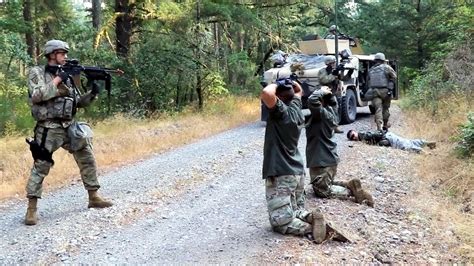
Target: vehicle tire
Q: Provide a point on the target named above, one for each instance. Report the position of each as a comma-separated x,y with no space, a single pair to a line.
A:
348,107
372,109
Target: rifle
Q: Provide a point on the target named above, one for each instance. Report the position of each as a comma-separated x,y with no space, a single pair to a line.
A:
93,73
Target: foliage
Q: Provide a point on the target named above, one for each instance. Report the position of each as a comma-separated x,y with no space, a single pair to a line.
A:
14,111
178,55
465,147
450,75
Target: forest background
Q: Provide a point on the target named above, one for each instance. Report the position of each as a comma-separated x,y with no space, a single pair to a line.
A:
207,57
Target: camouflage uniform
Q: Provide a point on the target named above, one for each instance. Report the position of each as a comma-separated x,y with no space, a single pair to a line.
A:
54,108
283,169
321,154
380,76
393,140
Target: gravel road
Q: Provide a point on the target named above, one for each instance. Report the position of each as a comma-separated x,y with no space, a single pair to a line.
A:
204,203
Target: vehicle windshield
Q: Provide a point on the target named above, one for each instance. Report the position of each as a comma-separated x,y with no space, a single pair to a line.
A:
309,61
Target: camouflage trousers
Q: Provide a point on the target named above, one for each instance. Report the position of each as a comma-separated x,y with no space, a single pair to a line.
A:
285,202
381,103
324,186
56,138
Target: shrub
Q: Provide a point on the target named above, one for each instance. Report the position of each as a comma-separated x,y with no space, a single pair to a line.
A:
465,138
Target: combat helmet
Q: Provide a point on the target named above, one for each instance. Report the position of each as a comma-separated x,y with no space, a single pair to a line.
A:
53,45
379,56
329,59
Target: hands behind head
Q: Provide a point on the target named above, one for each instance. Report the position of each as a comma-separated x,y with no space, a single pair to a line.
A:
325,90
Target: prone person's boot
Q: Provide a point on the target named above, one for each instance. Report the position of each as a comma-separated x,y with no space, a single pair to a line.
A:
360,195
31,218
431,144
95,201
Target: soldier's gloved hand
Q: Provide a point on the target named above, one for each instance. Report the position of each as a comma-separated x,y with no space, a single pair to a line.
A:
335,72
340,67
287,83
293,76
95,90
63,76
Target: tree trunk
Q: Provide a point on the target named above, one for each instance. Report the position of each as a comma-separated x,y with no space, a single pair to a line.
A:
198,57
96,13
123,27
419,41
29,35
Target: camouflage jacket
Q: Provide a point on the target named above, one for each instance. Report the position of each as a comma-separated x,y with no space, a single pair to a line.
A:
48,108
375,137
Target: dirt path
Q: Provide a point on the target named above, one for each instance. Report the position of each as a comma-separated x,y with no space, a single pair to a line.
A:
204,203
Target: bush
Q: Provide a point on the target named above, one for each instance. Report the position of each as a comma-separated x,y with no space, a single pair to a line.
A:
465,138
14,110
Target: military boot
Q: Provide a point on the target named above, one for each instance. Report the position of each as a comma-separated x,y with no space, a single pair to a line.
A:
431,144
95,201
31,218
338,130
319,227
386,125
361,196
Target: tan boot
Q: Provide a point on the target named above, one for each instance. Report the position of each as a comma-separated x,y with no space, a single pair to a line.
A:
95,201
361,196
319,227
31,218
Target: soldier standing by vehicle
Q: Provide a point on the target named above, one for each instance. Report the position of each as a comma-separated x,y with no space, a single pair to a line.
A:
283,167
54,99
330,76
382,77
321,153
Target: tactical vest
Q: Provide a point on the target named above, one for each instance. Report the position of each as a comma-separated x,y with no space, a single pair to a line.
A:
377,77
61,108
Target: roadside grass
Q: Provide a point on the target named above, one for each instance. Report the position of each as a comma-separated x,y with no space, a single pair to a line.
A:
121,140
451,177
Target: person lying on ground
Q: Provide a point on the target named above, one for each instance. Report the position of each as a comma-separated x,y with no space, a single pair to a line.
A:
390,139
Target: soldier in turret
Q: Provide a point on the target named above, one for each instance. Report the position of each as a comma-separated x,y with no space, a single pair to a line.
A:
331,76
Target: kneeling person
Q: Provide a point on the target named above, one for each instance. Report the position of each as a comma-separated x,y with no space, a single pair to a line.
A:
283,168
321,153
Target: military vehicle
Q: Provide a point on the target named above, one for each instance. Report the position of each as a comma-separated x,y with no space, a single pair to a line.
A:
352,91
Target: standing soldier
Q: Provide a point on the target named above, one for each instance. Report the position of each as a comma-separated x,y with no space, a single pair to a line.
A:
54,99
283,168
321,151
330,76
382,78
